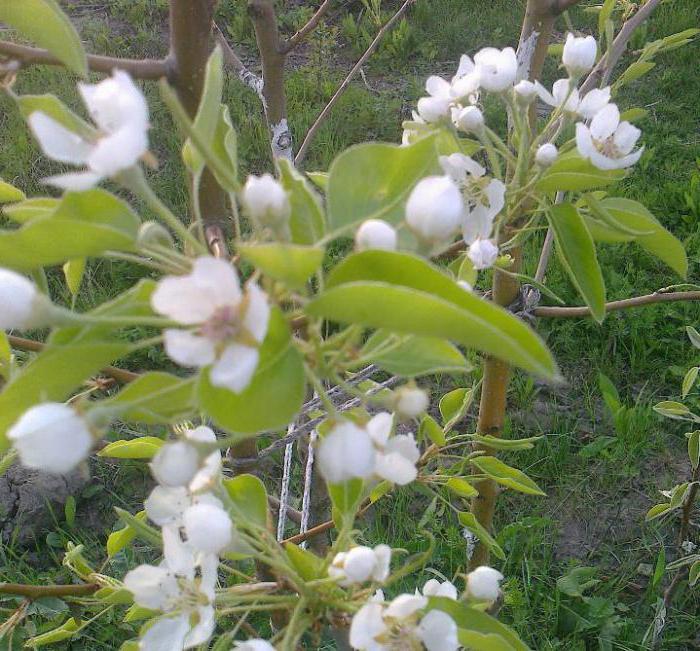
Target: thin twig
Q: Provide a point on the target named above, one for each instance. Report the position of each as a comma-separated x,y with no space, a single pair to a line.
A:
139,68
39,591
311,133
292,42
231,59
614,306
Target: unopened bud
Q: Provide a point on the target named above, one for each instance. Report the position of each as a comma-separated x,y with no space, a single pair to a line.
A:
579,54
22,305
411,402
546,154
375,234
266,201
470,119
434,209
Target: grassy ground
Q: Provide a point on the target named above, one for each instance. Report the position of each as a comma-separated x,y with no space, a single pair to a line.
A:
598,494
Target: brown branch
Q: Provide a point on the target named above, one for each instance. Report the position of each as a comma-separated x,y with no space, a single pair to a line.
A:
39,591
560,6
311,133
119,374
292,42
292,514
320,528
139,68
614,306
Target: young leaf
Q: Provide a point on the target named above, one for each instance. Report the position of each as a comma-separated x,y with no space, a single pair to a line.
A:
73,270
611,397
307,564
657,511
118,540
505,475
307,222
31,209
9,193
694,573
143,447
693,335
249,496
578,256
694,448
506,444
571,172
675,410
452,403
428,427
142,530
292,264
461,487
689,380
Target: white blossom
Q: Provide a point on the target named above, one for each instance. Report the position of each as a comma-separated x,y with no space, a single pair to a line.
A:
482,253
253,645
266,201
465,83
375,234
593,102
208,527
436,105
399,625
346,453
483,583
608,143
525,91
579,54
396,456
433,588
546,154
469,119
52,437
410,401
361,564
120,112
175,464
225,325
434,209
497,69
22,305
585,107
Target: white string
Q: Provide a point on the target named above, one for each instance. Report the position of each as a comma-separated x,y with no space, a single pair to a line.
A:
284,490
308,471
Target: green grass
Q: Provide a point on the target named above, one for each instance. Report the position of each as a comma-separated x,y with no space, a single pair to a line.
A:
593,515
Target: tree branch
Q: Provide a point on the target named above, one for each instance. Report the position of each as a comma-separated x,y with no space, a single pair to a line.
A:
39,591
231,59
311,133
139,68
614,306
560,6
292,42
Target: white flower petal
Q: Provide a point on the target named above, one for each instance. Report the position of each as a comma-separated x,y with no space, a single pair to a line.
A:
203,629
625,137
21,302
179,556
235,368
367,625
74,181
346,453
437,87
593,101
208,528
153,587
438,632
117,151
396,468
379,428
405,605
257,313
166,505
382,554
584,142
188,349
167,634
56,141
115,102
175,464
433,588
605,122
484,583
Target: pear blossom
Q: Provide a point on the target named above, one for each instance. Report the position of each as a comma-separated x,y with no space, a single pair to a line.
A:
497,69
225,326
408,133
396,456
120,113
483,253
433,588
525,91
579,54
434,209
375,234
465,83
585,107
185,596
22,305
175,464
266,201
469,119
253,645
546,154
51,436
361,564
436,105
410,401
399,625
608,143
208,527
483,583
346,453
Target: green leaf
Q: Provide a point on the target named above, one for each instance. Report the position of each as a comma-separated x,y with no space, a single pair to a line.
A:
206,121
346,496
413,356
43,23
293,264
605,13
633,115
469,521
571,172
694,448
693,335
5,356
505,475
308,565
694,573
142,530
63,632
380,490
73,270
118,540
577,581
659,242
472,619
578,256
675,410
429,427
158,398
249,498
600,212
506,444
689,380
635,71
657,511
274,395
31,208
461,487
475,641
9,193
452,403
69,510
372,181
403,293
225,147
143,447
610,394
319,179
307,222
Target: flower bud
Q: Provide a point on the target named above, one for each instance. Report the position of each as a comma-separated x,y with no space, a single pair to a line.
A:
482,253
375,234
154,234
470,119
579,54
525,91
434,209
175,464
361,564
411,402
433,109
266,201
483,583
345,453
51,436
22,305
546,154
208,528
497,69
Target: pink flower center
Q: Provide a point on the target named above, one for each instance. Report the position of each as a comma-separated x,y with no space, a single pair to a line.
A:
222,325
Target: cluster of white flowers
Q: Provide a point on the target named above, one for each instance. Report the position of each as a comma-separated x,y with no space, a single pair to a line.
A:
225,326
196,529
349,451
120,113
